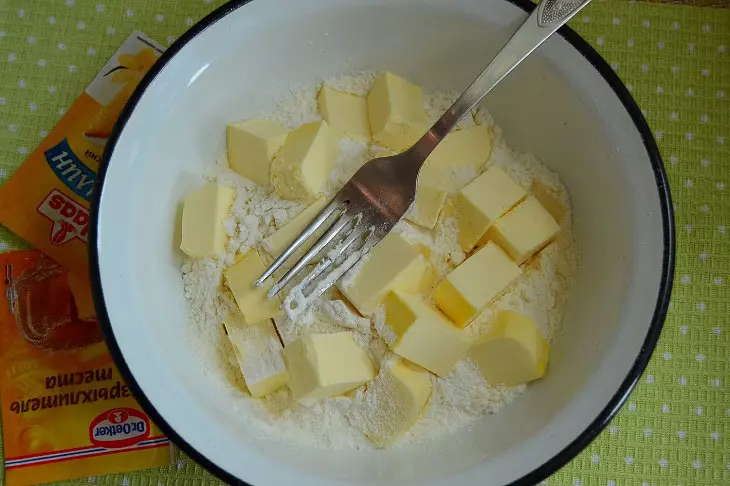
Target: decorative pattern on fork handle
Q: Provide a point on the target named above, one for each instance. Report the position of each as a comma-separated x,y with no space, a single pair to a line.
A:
550,11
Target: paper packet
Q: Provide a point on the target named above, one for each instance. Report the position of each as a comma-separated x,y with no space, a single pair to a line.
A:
47,200
66,411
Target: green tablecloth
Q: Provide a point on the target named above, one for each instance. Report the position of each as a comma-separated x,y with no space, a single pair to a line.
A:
675,428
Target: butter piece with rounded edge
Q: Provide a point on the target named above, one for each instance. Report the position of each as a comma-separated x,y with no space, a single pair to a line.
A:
392,403
203,214
326,365
430,199
523,231
455,162
303,164
423,335
460,157
259,354
393,264
252,145
252,301
512,352
345,113
396,112
475,283
482,202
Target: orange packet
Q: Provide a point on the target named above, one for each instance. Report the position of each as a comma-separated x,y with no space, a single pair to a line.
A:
47,200
66,411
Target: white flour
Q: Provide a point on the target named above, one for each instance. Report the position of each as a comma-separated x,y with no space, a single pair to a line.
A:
457,400
376,410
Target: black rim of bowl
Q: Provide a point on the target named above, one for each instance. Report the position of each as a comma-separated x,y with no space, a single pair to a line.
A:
604,417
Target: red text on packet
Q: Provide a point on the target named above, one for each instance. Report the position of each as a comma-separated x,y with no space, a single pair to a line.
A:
70,219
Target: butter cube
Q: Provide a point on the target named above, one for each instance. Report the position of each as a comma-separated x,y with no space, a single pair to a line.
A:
482,202
252,301
512,352
378,151
259,354
252,145
277,243
548,200
423,335
83,299
430,199
326,365
460,157
453,164
396,112
346,113
203,214
392,403
394,264
304,162
475,283
524,231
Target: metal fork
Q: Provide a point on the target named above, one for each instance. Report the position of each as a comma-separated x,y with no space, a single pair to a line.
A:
383,189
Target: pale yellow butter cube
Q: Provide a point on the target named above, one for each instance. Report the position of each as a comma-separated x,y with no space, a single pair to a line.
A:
252,145
524,231
378,151
423,335
512,352
277,243
345,113
430,199
303,164
475,283
392,403
459,158
396,112
482,202
326,365
393,264
252,301
203,214
259,354
453,164
548,200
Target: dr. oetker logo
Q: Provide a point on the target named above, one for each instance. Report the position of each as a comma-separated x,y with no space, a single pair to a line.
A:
119,427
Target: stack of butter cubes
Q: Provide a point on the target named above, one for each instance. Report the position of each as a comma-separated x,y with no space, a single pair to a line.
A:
501,227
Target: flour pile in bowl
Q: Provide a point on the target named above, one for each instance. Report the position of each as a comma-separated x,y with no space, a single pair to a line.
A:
457,399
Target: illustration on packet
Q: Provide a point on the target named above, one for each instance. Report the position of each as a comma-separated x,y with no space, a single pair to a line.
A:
47,200
52,308
66,411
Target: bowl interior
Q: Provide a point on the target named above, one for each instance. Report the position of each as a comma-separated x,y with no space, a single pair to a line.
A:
556,105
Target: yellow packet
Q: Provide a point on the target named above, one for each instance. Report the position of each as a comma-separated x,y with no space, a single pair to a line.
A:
66,411
47,200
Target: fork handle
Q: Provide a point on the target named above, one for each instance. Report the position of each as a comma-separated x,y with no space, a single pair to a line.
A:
544,20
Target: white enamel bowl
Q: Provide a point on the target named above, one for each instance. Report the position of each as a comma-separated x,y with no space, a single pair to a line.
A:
564,104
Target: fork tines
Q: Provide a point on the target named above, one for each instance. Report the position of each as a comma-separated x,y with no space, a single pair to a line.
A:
344,230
